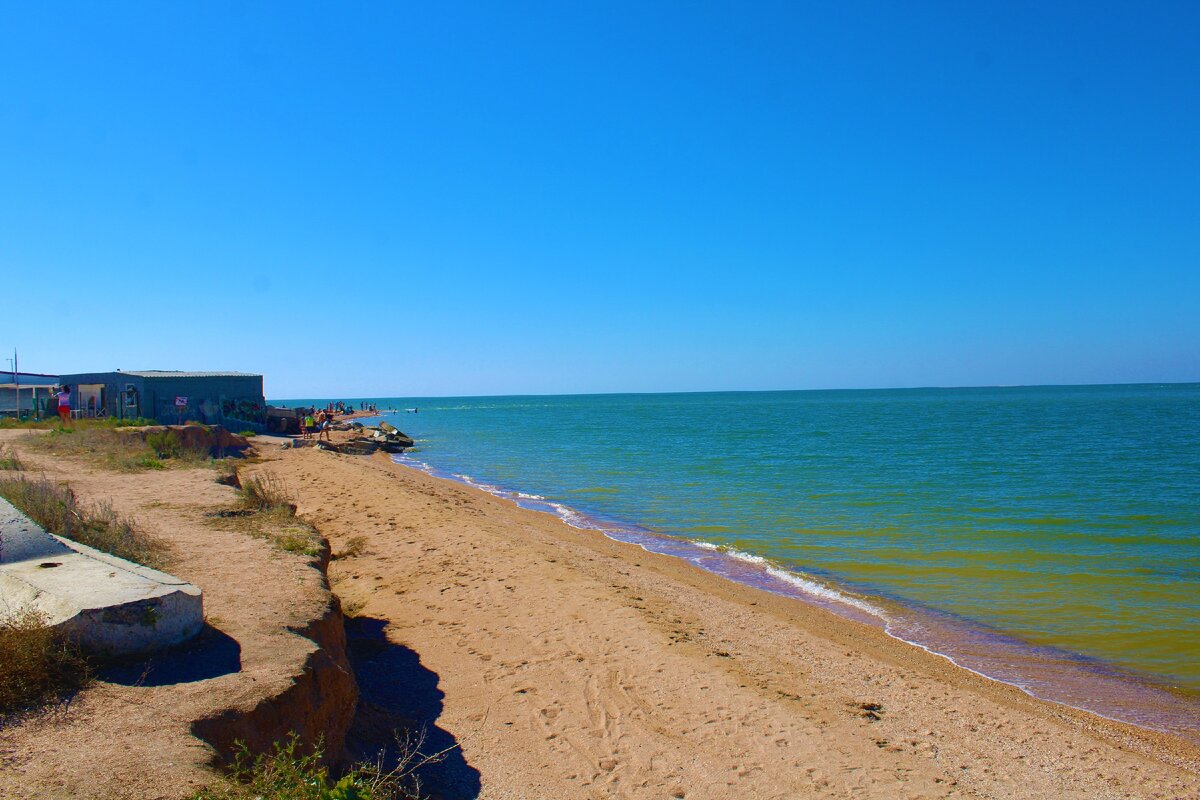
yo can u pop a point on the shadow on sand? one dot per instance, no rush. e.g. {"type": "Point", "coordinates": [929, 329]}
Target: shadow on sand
{"type": "Point", "coordinates": [397, 693]}
{"type": "Point", "coordinates": [210, 655]}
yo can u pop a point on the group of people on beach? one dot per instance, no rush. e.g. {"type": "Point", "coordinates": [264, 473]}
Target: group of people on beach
{"type": "Point", "coordinates": [317, 421]}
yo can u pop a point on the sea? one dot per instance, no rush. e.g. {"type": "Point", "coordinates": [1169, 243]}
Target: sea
{"type": "Point", "coordinates": [1047, 537]}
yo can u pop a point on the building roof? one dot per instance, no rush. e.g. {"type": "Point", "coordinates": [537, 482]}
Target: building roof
{"type": "Point", "coordinates": [28, 379]}
{"type": "Point", "coordinates": [168, 373]}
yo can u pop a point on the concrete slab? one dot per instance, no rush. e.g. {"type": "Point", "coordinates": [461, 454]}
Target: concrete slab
{"type": "Point", "coordinates": [111, 606]}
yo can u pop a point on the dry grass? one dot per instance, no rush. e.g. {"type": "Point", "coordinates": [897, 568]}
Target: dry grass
{"type": "Point", "coordinates": [115, 450]}
{"type": "Point", "coordinates": [265, 510]}
{"type": "Point", "coordinates": [55, 507]}
{"type": "Point", "coordinates": [8, 423]}
{"type": "Point", "coordinates": [9, 460]}
{"type": "Point", "coordinates": [355, 546]}
{"type": "Point", "coordinates": [279, 526]}
{"type": "Point", "coordinates": [101, 446]}
{"type": "Point", "coordinates": [266, 492]}
{"type": "Point", "coordinates": [38, 665]}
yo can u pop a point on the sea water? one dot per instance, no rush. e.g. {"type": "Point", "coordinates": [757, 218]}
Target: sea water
{"type": "Point", "coordinates": [1045, 536]}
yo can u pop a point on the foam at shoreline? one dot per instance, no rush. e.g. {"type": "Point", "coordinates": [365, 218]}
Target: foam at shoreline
{"type": "Point", "coordinates": [1043, 672]}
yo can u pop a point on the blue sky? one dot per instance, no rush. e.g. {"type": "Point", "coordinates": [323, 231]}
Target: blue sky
{"type": "Point", "coordinates": [454, 198]}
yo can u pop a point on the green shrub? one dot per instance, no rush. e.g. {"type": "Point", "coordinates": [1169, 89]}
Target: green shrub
{"type": "Point", "coordinates": [165, 444]}
{"type": "Point", "coordinates": [287, 774]}
{"type": "Point", "coordinates": [301, 542]}
{"type": "Point", "coordinates": [247, 434]}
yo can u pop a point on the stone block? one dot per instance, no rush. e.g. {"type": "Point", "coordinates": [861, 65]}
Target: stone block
{"type": "Point", "coordinates": [110, 606]}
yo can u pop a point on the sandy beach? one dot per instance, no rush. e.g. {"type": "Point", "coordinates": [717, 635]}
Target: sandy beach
{"type": "Point", "coordinates": [562, 664]}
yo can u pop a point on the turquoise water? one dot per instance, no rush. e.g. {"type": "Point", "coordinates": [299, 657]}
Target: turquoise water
{"type": "Point", "coordinates": [1019, 527]}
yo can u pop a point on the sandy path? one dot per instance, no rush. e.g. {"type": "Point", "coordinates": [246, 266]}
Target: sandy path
{"type": "Point", "coordinates": [573, 666]}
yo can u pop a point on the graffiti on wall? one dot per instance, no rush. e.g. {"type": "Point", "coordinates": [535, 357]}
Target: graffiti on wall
{"type": "Point", "coordinates": [248, 411]}
{"type": "Point", "coordinates": [231, 413]}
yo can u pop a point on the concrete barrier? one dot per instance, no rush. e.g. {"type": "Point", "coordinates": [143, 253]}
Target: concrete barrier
{"type": "Point", "coordinates": [110, 606]}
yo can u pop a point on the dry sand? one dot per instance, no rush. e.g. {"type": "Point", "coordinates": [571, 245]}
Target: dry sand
{"type": "Point", "coordinates": [567, 665]}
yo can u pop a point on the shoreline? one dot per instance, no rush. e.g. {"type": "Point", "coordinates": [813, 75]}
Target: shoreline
{"type": "Point", "coordinates": [1072, 680]}
{"type": "Point", "coordinates": [570, 663]}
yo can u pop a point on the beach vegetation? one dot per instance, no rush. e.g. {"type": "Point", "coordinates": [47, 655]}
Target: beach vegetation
{"type": "Point", "coordinates": [355, 546]}
{"type": "Point", "coordinates": [298, 540]}
{"type": "Point", "coordinates": [39, 665]}
{"type": "Point", "coordinates": [266, 491]}
{"type": "Point", "coordinates": [56, 508]}
{"type": "Point", "coordinates": [165, 444]}
{"type": "Point", "coordinates": [265, 510]}
{"type": "Point", "coordinates": [52, 423]}
{"type": "Point", "coordinates": [117, 450]}
{"type": "Point", "coordinates": [247, 434]}
{"type": "Point", "coordinates": [288, 772]}
{"type": "Point", "coordinates": [9, 460]}
{"type": "Point", "coordinates": [278, 525]}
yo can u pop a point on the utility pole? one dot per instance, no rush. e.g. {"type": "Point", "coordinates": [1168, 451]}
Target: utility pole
{"type": "Point", "coordinates": [16, 386]}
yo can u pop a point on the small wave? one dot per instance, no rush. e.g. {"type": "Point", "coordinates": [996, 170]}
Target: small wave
{"type": "Point", "coordinates": [414, 463]}
{"type": "Point", "coordinates": [820, 590]}
{"type": "Point", "coordinates": [487, 487]}
{"type": "Point", "coordinates": [571, 516]}
{"type": "Point", "coordinates": [749, 558]}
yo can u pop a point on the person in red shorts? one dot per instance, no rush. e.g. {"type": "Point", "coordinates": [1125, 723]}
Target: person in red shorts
{"type": "Point", "coordinates": [64, 405]}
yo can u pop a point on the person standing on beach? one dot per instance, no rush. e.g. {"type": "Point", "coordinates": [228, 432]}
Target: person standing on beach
{"type": "Point", "coordinates": [64, 406]}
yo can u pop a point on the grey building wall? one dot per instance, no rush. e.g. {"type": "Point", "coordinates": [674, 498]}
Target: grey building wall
{"type": "Point", "coordinates": [235, 401]}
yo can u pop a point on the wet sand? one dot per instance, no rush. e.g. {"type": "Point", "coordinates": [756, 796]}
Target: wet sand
{"type": "Point", "coordinates": [564, 664]}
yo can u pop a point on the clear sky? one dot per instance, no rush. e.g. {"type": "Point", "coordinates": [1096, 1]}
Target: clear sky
{"type": "Point", "coordinates": [494, 198]}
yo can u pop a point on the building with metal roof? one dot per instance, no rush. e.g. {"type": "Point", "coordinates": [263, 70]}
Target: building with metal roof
{"type": "Point", "coordinates": [232, 399]}
{"type": "Point", "coordinates": [172, 373]}
{"type": "Point", "coordinates": [24, 392]}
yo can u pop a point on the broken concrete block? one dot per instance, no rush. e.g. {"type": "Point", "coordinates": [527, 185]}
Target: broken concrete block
{"type": "Point", "coordinates": [110, 606]}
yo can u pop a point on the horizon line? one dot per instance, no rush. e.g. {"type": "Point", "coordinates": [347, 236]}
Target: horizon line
{"type": "Point", "coordinates": [751, 391]}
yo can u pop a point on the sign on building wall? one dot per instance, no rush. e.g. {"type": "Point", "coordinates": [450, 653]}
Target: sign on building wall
{"type": "Point", "coordinates": [180, 401]}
